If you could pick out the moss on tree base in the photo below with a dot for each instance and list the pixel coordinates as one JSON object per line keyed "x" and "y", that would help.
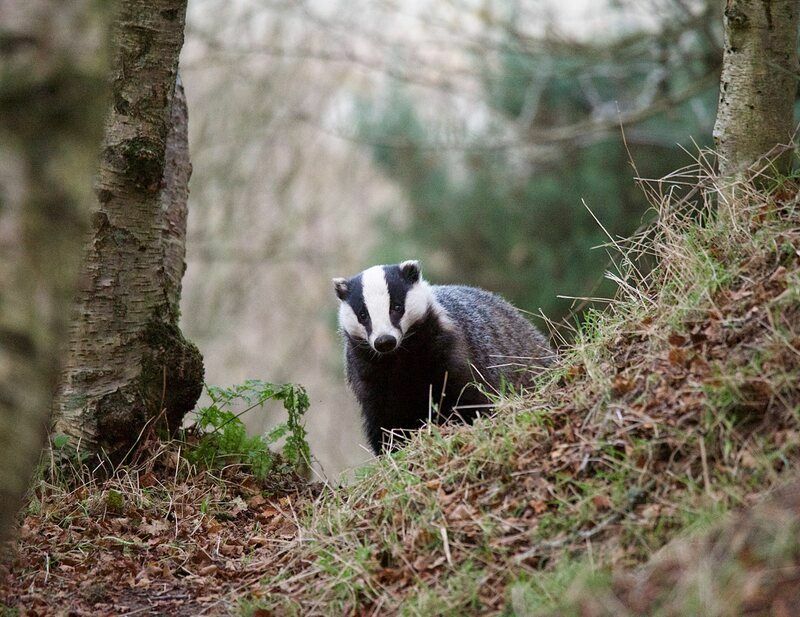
{"x": 169, "y": 385}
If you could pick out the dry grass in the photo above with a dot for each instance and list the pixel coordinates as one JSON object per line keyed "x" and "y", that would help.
{"x": 750, "y": 565}
{"x": 677, "y": 403}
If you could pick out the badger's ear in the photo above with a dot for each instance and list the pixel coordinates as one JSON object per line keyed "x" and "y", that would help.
{"x": 410, "y": 270}
{"x": 341, "y": 288}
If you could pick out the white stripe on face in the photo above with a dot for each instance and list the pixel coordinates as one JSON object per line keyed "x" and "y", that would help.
{"x": 418, "y": 300}
{"x": 349, "y": 322}
{"x": 376, "y": 297}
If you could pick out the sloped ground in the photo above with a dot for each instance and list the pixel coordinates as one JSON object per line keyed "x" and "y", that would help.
{"x": 678, "y": 403}
{"x": 748, "y": 566}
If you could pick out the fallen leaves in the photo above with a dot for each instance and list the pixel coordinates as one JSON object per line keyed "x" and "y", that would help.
{"x": 180, "y": 545}
{"x": 602, "y": 502}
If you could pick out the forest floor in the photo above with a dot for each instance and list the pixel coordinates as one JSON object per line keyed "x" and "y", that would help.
{"x": 159, "y": 538}
{"x": 637, "y": 478}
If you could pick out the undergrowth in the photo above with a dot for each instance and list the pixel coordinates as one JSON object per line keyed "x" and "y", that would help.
{"x": 170, "y": 530}
{"x": 676, "y": 403}
{"x": 216, "y": 439}
{"x": 222, "y": 439}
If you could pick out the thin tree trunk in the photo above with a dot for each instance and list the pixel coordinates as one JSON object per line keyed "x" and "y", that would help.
{"x": 759, "y": 83}
{"x": 128, "y": 365}
{"x": 53, "y": 91}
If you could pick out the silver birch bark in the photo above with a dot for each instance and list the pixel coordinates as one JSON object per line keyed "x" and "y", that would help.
{"x": 758, "y": 84}
{"x": 129, "y": 366}
{"x": 53, "y": 91}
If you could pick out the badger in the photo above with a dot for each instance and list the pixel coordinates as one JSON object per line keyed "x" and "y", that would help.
{"x": 416, "y": 352}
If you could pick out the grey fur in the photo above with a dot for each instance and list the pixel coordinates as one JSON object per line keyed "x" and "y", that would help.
{"x": 499, "y": 340}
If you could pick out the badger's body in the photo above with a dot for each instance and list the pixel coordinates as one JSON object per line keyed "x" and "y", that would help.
{"x": 415, "y": 351}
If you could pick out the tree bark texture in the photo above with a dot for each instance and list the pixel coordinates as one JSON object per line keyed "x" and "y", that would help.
{"x": 129, "y": 366}
{"x": 758, "y": 84}
{"x": 53, "y": 92}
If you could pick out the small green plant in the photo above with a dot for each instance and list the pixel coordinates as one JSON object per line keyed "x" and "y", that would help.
{"x": 115, "y": 502}
{"x": 224, "y": 439}
{"x": 65, "y": 463}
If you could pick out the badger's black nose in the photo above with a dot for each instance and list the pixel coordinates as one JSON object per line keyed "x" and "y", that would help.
{"x": 385, "y": 342}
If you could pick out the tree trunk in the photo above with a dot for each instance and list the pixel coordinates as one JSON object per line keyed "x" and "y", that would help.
{"x": 129, "y": 366}
{"x": 53, "y": 91}
{"x": 759, "y": 83}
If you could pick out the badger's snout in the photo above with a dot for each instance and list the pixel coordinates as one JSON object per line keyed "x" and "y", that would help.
{"x": 384, "y": 343}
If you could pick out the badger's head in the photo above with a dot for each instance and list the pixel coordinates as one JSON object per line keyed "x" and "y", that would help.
{"x": 382, "y": 303}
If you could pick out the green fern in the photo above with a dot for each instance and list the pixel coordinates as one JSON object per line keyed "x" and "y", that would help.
{"x": 224, "y": 440}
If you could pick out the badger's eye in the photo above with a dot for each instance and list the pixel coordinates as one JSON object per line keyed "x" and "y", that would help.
{"x": 362, "y": 314}
{"x": 396, "y": 307}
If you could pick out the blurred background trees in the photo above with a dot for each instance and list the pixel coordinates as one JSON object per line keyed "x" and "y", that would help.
{"x": 499, "y": 204}
{"x": 53, "y": 71}
{"x": 328, "y": 136}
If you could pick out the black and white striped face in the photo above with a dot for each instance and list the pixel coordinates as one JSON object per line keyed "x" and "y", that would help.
{"x": 382, "y": 303}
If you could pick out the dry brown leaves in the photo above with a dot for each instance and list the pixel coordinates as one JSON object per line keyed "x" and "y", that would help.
{"x": 156, "y": 546}
{"x": 748, "y": 566}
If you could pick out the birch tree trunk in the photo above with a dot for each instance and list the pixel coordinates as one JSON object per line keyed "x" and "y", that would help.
{"x": 129, "y": 366}
{"x": 53, "y": 91}
{"x": 758, "y": 84}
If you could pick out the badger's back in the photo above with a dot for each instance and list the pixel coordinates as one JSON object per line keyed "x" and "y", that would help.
{"x": 499, "y": 339}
